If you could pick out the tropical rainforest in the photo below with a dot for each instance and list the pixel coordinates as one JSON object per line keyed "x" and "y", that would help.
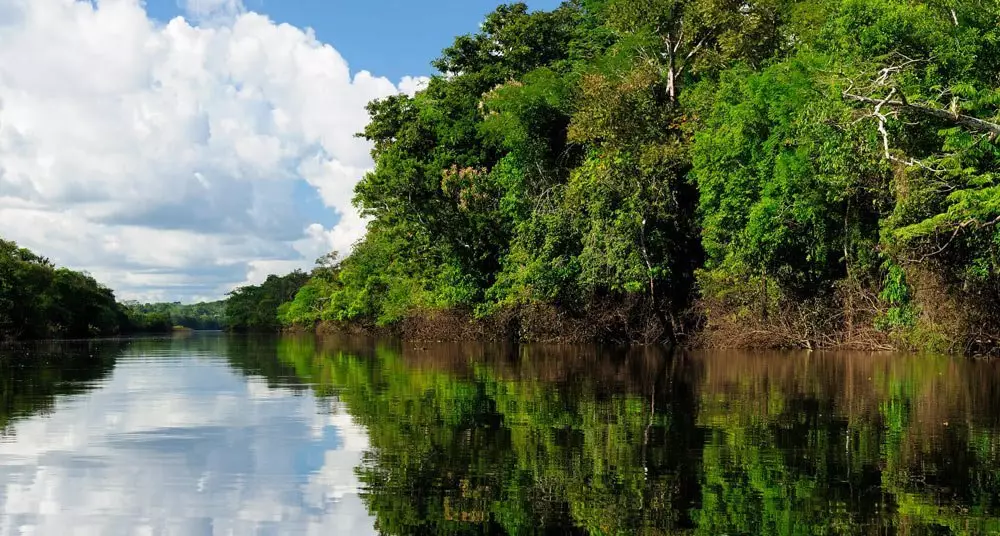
{"x": 39, "y": 300}
{"x": 807, "y": 173}
{"x": 733, "y": 172}
{"x": 255, "y": 308}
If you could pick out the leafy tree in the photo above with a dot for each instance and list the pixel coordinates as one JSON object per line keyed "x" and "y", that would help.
{"x": 255, "y": 307}
{"x": 773, "y": 172}
{"x": 38, "y": 300}
{"x": 790, "y": 190}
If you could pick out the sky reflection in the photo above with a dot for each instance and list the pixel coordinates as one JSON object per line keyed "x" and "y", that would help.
{"x": 175, "y": 445}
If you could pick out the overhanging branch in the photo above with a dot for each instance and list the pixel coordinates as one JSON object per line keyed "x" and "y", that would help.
{"x": 967, "y": 121}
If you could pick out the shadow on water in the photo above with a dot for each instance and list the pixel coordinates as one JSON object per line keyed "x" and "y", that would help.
{"x": 33, "y": 375}
{"x": 490, "y": 439}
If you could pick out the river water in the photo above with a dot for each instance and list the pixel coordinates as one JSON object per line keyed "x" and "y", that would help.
{"x": 215, "y": 434}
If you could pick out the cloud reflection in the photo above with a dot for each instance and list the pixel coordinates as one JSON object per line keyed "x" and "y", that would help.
{"x": 169, "y": 446}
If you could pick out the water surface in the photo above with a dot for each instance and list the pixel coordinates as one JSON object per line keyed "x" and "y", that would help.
{"x": 209, "y": 434}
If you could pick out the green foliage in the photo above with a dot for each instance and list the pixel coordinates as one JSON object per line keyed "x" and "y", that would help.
{"x": 164, "y": 317}
{"x": 790, "y": 190}
{"x": 255, "y": 307}
{"x": 308, "y": 305}
{"x": 744, "y": 158}
{"x": 38, "y": 300}
{"x": 770, "y": 166}
{"x": 898, "y": 295}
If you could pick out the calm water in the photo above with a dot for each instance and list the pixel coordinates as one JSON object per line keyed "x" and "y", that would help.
{"x": 207, "y": 434}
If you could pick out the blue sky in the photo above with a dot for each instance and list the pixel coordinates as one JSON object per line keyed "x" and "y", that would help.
{"x": 390, "y": 38}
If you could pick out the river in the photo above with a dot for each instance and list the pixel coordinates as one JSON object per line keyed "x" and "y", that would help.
{"x": 216, "y": 434}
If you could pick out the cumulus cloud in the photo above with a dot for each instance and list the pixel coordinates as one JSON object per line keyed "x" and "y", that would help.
{"x": 410, "y": 85}
{"x": 184, "y": 447}
{"x": 170, "y": 160}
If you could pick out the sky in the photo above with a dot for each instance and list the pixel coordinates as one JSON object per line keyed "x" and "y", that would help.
{"x": 176, "y": 149}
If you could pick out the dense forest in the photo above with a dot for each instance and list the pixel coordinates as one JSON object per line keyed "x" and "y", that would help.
{"x": 154, "y": 317}
{"x": 41, "y": 301}
{"x": 810, "y": 173}
{"x": 746, "y": 173}
{"x": 256, "y": 308}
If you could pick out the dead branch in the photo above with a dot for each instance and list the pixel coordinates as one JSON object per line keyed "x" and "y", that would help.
{"x": 967, "y": 121}
{"x": 958, "y": 229}
{"x": 882, "y": 120}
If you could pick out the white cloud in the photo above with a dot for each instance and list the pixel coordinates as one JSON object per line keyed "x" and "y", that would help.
{"x": 177, "y": 154}
{"x": 412, "y": 84}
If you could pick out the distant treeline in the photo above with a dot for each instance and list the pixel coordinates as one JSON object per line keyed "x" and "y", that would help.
{"x": 160, "y": 317}
{"x": 39, "y": 301}
{"x": 256, "y": 307}
{"x": 740, "y": 172}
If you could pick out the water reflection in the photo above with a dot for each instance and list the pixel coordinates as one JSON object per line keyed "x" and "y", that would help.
{"x": 494, "y": 440}
{"x": 176, "y": 441}
{"x": 31, "y": 376}
{"x": 209, "y": 434}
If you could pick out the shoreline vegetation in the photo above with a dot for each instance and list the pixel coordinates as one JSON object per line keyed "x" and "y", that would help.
{"x": 771, "y": 173}
{"x": 751, "y": 174}
{"x": 41, "y": 301}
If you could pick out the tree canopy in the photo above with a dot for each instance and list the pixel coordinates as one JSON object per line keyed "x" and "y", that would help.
{"x": 255, "y": 307}
{"x": 782, "y": 172}
{"x": 39, "y": 300}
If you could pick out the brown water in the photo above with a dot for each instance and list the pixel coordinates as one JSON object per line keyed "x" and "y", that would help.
{"x": 208, "y": 434}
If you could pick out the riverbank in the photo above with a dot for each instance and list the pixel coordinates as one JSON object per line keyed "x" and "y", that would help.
{"x": 536, "y": 324}
{"x": 548, "y": 324}
{"x": 941, "y": 329}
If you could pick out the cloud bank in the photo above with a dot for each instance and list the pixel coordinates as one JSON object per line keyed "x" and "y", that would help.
{"x": 175, "y": 161}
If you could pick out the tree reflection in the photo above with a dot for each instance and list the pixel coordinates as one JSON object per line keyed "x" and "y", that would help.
{"x": 33, "y": 375}
{"x": 488, "y": 439}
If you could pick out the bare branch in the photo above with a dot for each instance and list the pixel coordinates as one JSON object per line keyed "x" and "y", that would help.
{"x": 683, "y": 63}
{"x": 886, "y": 72}
{"x": 695, "y": 49}
{"x": 882, "y": 121}
{"x": 972, "y": 123}
{"x": 958, "y": 229}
